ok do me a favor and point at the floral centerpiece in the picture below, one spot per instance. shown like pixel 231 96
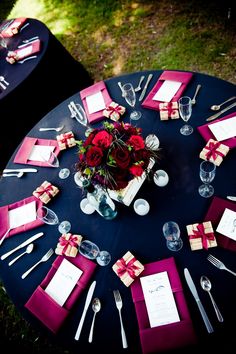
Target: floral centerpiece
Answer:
pixel 114 154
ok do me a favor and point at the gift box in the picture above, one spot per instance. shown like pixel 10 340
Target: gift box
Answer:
pixel 201 236
pixel 45 192
pixel 168 110
pixel 66 140
pixel 128 268
pixel 21 53
pixel 68 245
pixel 214 151
pixel 114 111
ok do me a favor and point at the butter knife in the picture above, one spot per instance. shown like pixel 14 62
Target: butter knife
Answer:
pixel 222 111
pixel 193 290
pixel 230 197
pixel 87 302
pixel 7 170
pixel 145 87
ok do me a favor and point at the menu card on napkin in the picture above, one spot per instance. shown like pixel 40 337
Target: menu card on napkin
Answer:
pixel 224 129
pixel 63 281
pixel 95 102
pixel 167 91
pixel 22 215
pixel 227 224
pixel 38 151
pixel 159 299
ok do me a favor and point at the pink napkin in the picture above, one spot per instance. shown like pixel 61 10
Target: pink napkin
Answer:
pixel 207 134
pixel 45 308
pixel 4 217
pixel 214 214
pixel 183 77
pixel 170 336
pixel 26 147
pixel 99 86
pixel 14 27
pixel 24 52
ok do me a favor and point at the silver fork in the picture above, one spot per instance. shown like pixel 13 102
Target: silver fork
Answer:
pixel 28 58
pixel 217 263
pixel 43 259
pixel 57 129
pixel 119 305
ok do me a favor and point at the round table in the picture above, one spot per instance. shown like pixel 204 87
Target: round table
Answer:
pixel 142 235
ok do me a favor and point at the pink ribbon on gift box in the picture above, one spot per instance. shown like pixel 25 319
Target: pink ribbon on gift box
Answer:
pixel 72 241
pixel 48 190
pixel 168 107
pixel 124 267
pixel 212 147
pixel 204 236
pixel 65 137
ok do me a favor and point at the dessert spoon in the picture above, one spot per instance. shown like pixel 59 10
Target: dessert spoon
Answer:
pixel 19 174
pixel 195 94
pixel 216 107
pixel 96 306
pixel 28 250
pixel 138 88
pixel 57 129
pixel 206 285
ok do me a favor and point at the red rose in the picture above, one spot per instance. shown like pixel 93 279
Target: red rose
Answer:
pixel 136 142
pixel 102 139
pixel 89 139
pixel 142 155
pixel 121 179
pixel 121 156
pixel 136 170
pixel 94 156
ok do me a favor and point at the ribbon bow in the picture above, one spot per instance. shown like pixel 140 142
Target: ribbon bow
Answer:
pixel 124 267
pixel 65 243
pixel 65 137
pixel 200 232
pixel 212 147
pixel 169 108
pixel 111 109
pixel 48 190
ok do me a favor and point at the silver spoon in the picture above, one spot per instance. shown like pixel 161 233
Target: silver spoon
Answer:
pixel 96 306
pixel 57 129
pixel 19 174
pixel 216 107
pixel 28 250
pixel 195 95
pixel 138 88
pixel 206 285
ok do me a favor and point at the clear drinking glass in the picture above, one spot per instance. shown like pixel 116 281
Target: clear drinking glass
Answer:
pixel 50 217
pixel 185 111
pixel 52 160
pixel 130 97
pixel 79 114
pixel 91 251
pixel 207 174
pixel 171 232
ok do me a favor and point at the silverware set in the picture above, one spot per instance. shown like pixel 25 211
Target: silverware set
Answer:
pixel 3 83
pixel 138 87
pixel 18 172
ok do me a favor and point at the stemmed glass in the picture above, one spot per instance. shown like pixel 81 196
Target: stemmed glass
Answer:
pixel 52 160
pixel 91 251
pixel 185 111
pixel 207 174
pixel 171 232
pixel 79 114
pixel 48 216
pixel 3 41
pixel 130 97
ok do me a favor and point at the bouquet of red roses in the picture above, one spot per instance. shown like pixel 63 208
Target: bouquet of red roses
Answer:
pixel 113 155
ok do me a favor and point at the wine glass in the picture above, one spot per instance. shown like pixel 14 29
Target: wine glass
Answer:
pixel 207 174
pixel 51 159
pixel 3 41
pixel 130 97
pixel 171 232
pixel 91 251
pixel 48 216
pixel 185 111
pixel 79 114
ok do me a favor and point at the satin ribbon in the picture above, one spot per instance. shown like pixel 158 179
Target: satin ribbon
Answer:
pixel 212 147
pixel 169 109
pixel 124 267
pixel 72 241
pixel 65 137
pixel 111 109
pixel 204 236
pixel 48 190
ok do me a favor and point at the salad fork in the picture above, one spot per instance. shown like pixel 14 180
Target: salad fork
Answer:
pixel 43 259
pixel 57 129
pixel 217 263
pixel 119 305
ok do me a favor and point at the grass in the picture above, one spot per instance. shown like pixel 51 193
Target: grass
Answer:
pixel 111 37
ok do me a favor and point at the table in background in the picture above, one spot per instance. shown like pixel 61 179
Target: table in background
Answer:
pixel 142 235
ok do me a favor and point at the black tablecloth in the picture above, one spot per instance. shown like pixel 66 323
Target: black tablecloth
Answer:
pixel 142 235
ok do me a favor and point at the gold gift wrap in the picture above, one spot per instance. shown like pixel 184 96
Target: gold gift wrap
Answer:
pixel 68 245
pixel 128 268
pixel 66 140
pixel 214 151
pixel 45 192
pixel 114 111
pixel 201 236
pixel 169 110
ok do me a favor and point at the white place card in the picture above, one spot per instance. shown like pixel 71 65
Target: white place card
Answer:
pixel 159 299
pixel 224 129
pixel 63 281
pixel 22 215
pixel 38 151
pixel 167 91
pixel 25 51
pixel 227 224
pixel 95 102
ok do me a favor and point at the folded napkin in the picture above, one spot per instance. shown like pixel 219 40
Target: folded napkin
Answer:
pixel 24 52
pixel 97 88
pixel 45 308
pixel 207 133
pixel 183 77
pixel 4 217
pixel 170 336
pixel 14 27
pixel 22 155
pixel 214 214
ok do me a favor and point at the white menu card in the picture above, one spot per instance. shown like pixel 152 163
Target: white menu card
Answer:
pixel 95 102
pixel 159 299
pixel 22 215
pixel 227 224
pixel 167 91
pixel 63 281
pixel 224 129
pixel 38 151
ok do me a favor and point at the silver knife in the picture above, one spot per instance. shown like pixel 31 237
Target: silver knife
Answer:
pixel 87 302
pixel 25 243
pixel 20 170
pixel 222 111
pixel 230 197
pixel 193 290
pixel 145 87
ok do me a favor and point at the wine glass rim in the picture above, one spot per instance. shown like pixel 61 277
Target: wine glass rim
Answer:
pixel 209 163
pixel 184 100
